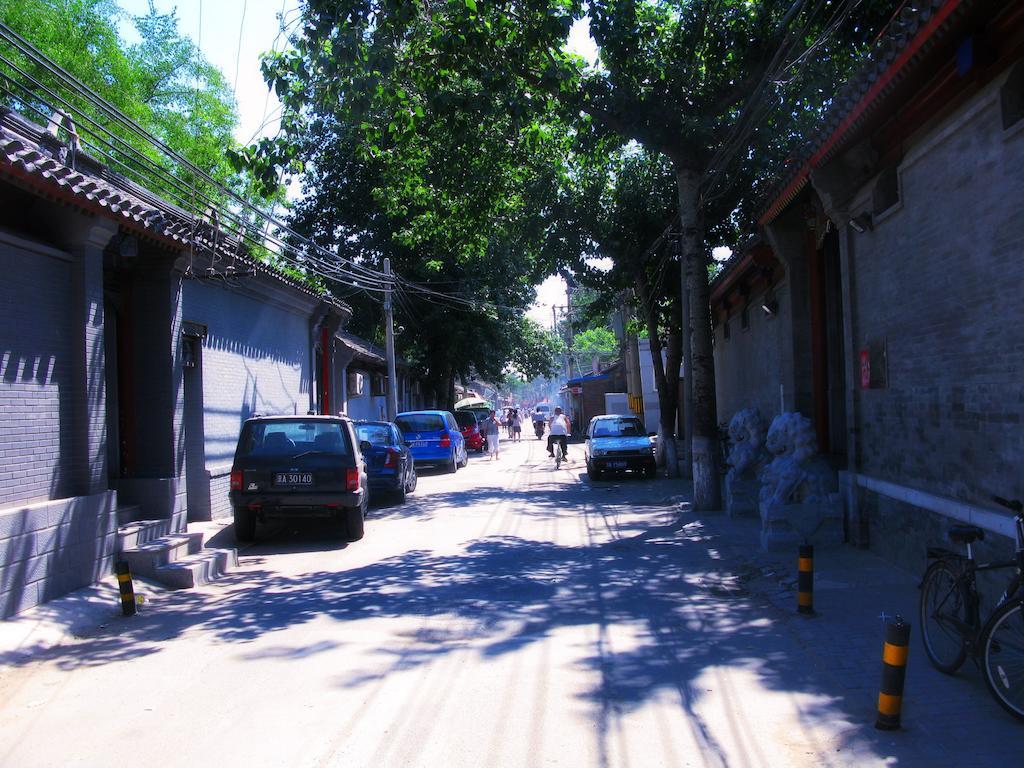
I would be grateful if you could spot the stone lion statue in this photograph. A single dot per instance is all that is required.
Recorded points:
(795, 475)
(748, 452)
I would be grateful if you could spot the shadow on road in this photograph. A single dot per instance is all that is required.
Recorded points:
(686, 612)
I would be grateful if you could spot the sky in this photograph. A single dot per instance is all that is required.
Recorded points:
(232, 34)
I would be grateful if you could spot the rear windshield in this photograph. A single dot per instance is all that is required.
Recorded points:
(294, 436)
(618, 428)
(420, 422)
(374, 434)
(465, 419)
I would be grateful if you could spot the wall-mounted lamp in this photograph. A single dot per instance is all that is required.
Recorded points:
(862, 223)
(770, 307)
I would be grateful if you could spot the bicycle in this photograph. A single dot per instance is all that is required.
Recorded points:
(950, 613)
(559, 454)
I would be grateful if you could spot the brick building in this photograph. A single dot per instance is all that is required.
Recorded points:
(134, 341)
(882, 298)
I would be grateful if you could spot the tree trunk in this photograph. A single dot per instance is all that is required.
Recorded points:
(704, 441)
(449, 394)
(667, 397)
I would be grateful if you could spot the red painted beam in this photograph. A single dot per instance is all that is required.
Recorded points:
(874, 93)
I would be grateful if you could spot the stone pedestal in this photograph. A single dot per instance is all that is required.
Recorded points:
(818, 522)
(741, 497)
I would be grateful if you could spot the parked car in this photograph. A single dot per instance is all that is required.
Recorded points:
(469, 425)
(434, 438)
(390, 465)
(294, 467)
(618, 443)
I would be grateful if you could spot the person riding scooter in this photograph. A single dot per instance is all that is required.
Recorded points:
(538, 422)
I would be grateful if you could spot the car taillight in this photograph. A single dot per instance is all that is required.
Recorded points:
(446, 441)
(352, 479)
(392, 459)
(236, 479)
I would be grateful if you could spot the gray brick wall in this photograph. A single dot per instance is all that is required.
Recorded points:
(750, 364)
(941, 280)
(255, 359)
(50, 548)
(37, 394)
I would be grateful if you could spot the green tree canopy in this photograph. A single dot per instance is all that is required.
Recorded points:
(720, 88)
(162, 82)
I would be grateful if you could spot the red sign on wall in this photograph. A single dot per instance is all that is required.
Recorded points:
(865, 368)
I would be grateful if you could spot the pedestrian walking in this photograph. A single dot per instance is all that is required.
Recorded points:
(517, 426)
(492, 432)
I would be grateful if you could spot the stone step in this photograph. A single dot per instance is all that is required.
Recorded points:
(145, 558)
(200, 568)
(138, 532)
(128, 514)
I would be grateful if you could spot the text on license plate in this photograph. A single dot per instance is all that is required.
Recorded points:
(293, 478)
(616, 465)
(419, 442)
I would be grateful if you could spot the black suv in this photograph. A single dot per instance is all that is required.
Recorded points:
(289, 467)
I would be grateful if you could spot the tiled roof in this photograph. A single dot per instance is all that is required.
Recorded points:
(362, 348)
(911, 34)
(32, 156)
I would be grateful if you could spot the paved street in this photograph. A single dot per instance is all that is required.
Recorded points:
(509, 615)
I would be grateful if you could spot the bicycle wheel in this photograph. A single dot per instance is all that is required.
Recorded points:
(943, 618)
(1002, 656)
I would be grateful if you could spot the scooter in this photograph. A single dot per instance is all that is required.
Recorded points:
(538, 428)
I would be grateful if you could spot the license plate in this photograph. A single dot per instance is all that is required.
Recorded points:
(419, 442)
(616, 465)
(293, 478)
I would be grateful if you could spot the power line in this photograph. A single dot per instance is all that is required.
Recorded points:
(238, 51)
(197, 202)
(327, 265)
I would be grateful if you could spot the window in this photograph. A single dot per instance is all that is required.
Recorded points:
(378, 385)
(626, 427)
(465, 419)
(420, 422)
(288, 437)
(375, 434)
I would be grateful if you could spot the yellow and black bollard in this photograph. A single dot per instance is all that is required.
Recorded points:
(805, 580)
(124, 584)
(894, 671)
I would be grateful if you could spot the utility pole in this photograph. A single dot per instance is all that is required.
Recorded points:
(566, 355)
(389, 348)
(569, 285)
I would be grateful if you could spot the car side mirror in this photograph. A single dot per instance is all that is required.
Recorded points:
(364, 446)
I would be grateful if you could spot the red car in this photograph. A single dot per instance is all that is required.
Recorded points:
(470, 428)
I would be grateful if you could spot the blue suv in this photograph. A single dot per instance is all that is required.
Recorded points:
(433, 437)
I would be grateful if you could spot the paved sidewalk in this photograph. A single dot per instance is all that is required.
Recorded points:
(947, 720)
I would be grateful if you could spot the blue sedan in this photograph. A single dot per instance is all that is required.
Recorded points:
(434, 437)
(390, 466)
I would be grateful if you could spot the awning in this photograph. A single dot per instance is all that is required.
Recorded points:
(472, 402)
